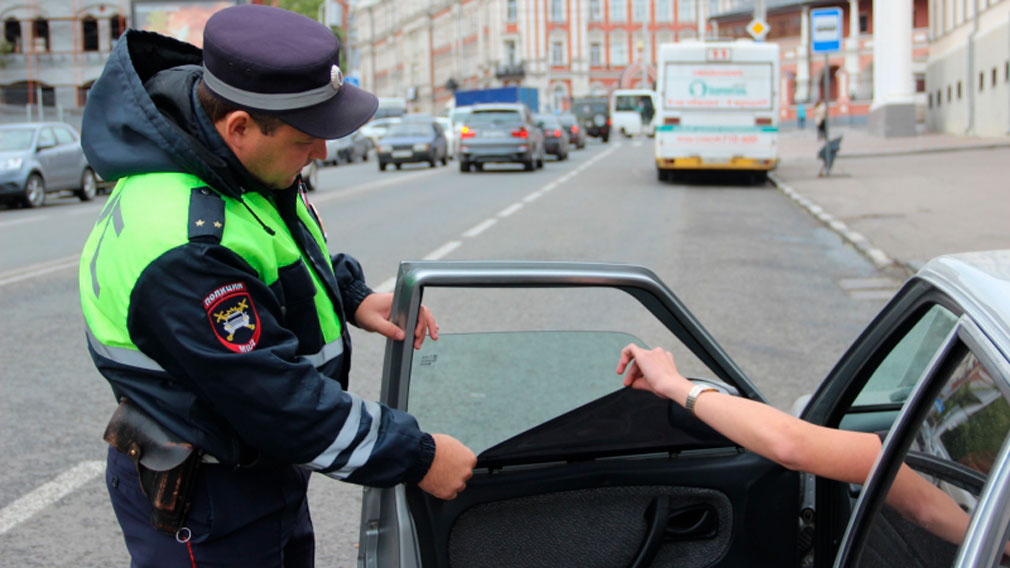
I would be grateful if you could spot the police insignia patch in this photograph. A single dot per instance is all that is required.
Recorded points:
(233, 317)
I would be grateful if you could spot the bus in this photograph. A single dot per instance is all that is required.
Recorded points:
(633, 111)
(719, 107)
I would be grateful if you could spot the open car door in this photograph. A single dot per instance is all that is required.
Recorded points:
(573, 469)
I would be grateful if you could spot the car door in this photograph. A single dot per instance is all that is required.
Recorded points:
(70, 158)
(47, 153)
(573, 469)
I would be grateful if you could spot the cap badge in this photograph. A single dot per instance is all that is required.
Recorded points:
(336, 77)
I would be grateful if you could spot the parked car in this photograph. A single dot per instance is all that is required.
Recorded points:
(576, 135)
(348, 149)
(555, 135)
(38, 158)
(412, 141)
(594, 116)
(377, 127)
(574, 470)
(500, 133)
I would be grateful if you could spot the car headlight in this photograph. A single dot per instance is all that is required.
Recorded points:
(421, 147)
(11, 164)
(385, 148)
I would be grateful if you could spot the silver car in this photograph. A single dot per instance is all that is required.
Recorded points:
(574, 470)
(37, 158)
(500, 133)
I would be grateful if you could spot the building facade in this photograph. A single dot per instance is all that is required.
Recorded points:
(425, 49)
(54, 50)
(968, 72)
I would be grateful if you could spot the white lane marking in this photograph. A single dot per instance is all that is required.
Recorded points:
(364, 188)
(443, 250)
(23, 220)
(549, 186)
(48, 493)
(510, 210)
(39, 269)
(533, 196)
(480, 228)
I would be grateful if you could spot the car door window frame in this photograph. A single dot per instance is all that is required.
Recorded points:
(964, 338)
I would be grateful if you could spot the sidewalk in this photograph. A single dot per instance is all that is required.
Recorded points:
(903, 201)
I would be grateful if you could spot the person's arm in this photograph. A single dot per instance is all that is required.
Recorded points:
(796, 444)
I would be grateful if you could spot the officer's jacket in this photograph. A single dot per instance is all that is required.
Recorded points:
(209, 300)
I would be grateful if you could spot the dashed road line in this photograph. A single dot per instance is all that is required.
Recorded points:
(479, 228)
(39, 269)
(48, 493)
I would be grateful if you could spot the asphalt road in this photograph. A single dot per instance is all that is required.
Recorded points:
(782, 294)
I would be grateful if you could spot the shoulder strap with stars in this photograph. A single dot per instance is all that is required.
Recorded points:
(206, 215)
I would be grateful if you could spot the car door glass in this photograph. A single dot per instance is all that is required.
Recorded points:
(63, 136)
(894, 378)
(954, 449)
(46, 138)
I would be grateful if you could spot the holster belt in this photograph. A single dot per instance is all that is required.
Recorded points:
(166, 464)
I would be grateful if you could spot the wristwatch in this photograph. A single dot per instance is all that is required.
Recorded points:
(692, 397)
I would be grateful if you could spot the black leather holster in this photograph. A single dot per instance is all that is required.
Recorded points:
(166, 465)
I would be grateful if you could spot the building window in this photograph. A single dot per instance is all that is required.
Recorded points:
(864, 23)
(995, 77)
(511, 11)
(958, 92)
(664, 10)
(89, 29)
(981, 81)
(40, 34)
(510, 51)
(558, 98)
(618, 10)
(685, 12)
(557, 53)
(117, 25)
(12, 34)
(939, 97)
(618, 52)
(595, 10)
(920, 83)
(557, 11)
(595, 54)
(930, 103)
(640, 10)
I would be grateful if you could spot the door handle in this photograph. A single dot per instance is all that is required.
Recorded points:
(665, 524)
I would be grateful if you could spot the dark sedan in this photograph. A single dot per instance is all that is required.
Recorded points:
(576, 135)
(37, 158)
(555, 135)
(413, 141)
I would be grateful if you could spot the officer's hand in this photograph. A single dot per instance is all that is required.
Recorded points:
(373, 315)
(452, 466)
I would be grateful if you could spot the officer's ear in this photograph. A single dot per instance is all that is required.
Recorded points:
(235, 129)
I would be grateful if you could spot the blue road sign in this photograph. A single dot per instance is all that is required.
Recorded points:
(352, 80)
(825, 30)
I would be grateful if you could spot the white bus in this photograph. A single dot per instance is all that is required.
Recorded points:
(633, 111)
(718, 107)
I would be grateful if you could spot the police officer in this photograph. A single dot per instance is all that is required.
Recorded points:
(212, 305)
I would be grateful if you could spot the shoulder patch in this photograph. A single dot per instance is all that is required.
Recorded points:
(233, 317)
(206, 215)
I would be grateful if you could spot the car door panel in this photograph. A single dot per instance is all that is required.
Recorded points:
(600, 476)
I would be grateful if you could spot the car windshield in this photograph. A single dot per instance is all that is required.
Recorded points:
(412, 130)
(16, 139)
(494, 117)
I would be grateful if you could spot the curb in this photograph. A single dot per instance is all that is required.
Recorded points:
(934, 150)
(879, 258)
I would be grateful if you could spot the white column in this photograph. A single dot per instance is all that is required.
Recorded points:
(852, 49)
(802, 94)
(701, 19)
(893, 110)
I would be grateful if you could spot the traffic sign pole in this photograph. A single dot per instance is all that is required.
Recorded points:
(826, 37)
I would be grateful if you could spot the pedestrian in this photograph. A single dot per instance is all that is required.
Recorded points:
(842, 455)
(801, 116)
(821, 119)
(213, 307)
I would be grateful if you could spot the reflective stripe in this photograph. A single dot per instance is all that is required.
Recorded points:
(346, 436)
(122, 355)
(270, 101)
(329, 352)
(364, 449)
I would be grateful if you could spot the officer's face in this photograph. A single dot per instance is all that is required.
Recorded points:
(277, 158)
